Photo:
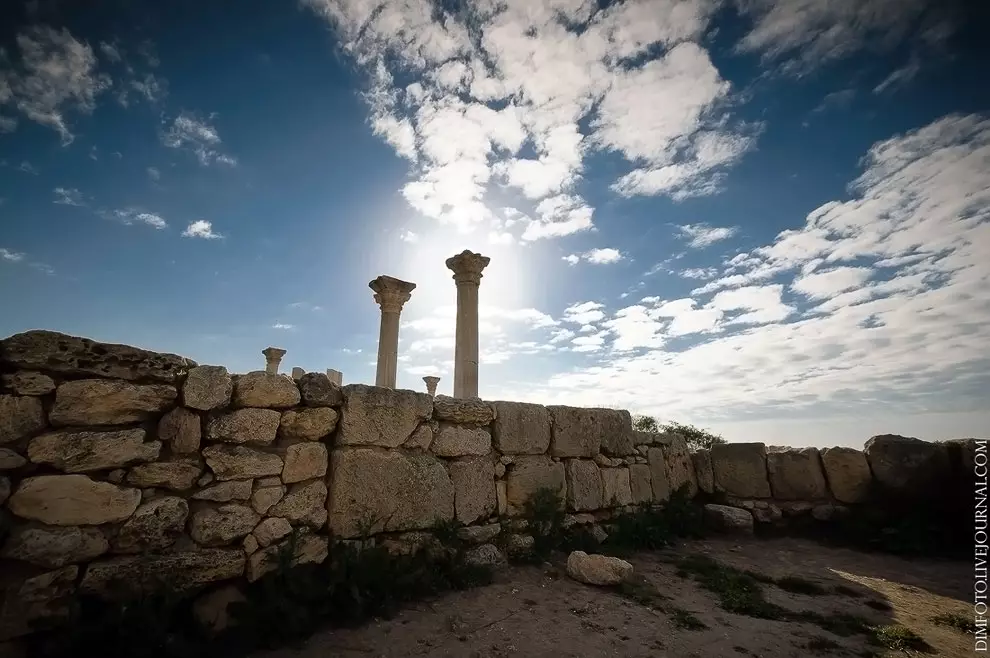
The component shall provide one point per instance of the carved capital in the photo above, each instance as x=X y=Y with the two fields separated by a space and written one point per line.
x=273 y=354
x=467 y=266
x=391 y=293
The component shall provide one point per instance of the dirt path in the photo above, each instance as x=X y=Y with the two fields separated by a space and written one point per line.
x=538 y=611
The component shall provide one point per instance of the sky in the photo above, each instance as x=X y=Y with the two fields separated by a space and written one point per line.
x=769 y=218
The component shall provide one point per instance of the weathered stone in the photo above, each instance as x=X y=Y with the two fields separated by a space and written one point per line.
x=658 y=475
x=224 y=492
x=727 y=519
x=44 y=596
x=600 y=570
x=486 y=555
x=72 y=500
x=528 y=475
x=459 y=441
x=28 y=383
x=20 y=416
x=309 y=549
x=906 y=464
x=740 y=469
x=616 y=491
x=240 y=463
x=463 y=411
x=408 y=543
x=479 y=534
x=307 y=424
x=4 y=489
x=109 y=402
x=575 y=431
x=502 y=496
x=388 y=491
x=81 y=452
x=271 y=530
x=264 y=497
x=219 y=526
x=182 y=571
x=270 y=481
x=474 y=489
x=212 y=609
x=245 y=426
x=318 y=391
x=680 y=468
x=304 y=461
x=207 y=388
x=381 y=416
x=250 y=544
x=519 y=544
x=306 y=502
x=421 y=439
x=177 y=475
x=848 y=474
x=768 y=514
x=10 y=460
x=639 y=483
x=54 y=547
x=155 y=525
x=584 y=485
x=180 y=428
x=702 y=460
x=521 y=428
x=796 y=474
x=265 y=390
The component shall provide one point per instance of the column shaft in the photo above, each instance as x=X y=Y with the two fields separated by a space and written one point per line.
x=466 y=341
x=388 y=350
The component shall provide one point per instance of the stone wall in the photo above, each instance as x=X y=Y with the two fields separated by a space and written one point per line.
x=125 y=465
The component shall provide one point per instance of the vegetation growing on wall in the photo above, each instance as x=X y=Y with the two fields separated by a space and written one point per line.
x=696 y=437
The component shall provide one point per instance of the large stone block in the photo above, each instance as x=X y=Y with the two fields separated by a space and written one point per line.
x=224 y=492
x=375 y=490
x=575 y=431
x=155 y=525
x=906 y=464
x=180 y=571
x=28 y=383
x=527 y=475
x=109 y=402
x=463 y=411
x=730 y=520
x=702 y=460
x=318 y=391
x=600 y=570
x=218 y=526
x=680 y=468
x=375 y=416
x=521 y=428
x=181 y=429
x=460 y=441
x=474 y=488
x=308 y=424
x=639 y=483
x=241 y=463
x=207 y=388
x=618 y=439
x=265 y=390
x=55 y=352
x=796 y=474
x=245 y=426
x=848 y=474
x=72 y=500
x=616 y=491
x=306 y=503
x=20 y=416
x=740 y=469
x=53 y=546
x=82 y=452
x=658 y=474
x=177 y=475
x=304 y=461
x=584 y=485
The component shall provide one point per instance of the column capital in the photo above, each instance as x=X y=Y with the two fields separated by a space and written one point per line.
x=273 y=353
x=467 y=266
x=391 y=293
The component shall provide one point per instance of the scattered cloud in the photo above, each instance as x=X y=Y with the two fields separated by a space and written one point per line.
x=201 y=229
x=129 y=216
x=8 y=124
x=409 y=236
x=191 y=133
x=154 y=174
x=68 y=197
x=605 y=256
x=283 y=326
x=11 y=256
x=703 y=235
x=899 y=77
x=28 y=168
x=699 y=273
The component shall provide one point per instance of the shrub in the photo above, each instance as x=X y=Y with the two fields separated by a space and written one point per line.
x=696 y=437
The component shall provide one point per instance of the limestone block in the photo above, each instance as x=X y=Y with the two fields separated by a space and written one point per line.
x=383 y=417
x=600 y=570
x=702 y=460
x=529 y=474
x=185 y=570
x=177 y=475
x=658 y=474
x=796 y=474
x=680 y=468
x=575 y=432
x=307 y=424
x=82 y=452
x=616 y=491
x=20 y=416
x=264 y=497
x=460 y=441
x=304 y=461
x=241 y=463
x=265 y=390
x=224 y=492
x=271 y=530
x=463 y=411
x=38 y=597
x=155 y=525
x=306 y=502
x=72 y=500
x=584 y=485
x=740 y=469
x=10 y=460
x=421 y=439
x=28 y=383
x=639 y=483
x=207 y=388
x=731 y=520
x=54 y=547
x=212 y=609
x=180 y=428
x=309 y=549
x=479 y=534
x=218 y=526
x=318 y=391
x=521 y=428
x=244 y=426
x=109 y=402
x=474 y=488
x=388 y=491
x=906 y=464
x=486 y=555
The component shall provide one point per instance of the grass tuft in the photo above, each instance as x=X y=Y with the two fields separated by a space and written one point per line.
x=961 y=623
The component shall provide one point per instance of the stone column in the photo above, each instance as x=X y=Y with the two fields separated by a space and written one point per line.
x=336 y=376
x=467 y=267
x=297 y=373
x=273 y=356
x=431 y=385
x=391 y=294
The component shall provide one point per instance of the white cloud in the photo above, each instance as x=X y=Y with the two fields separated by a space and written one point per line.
x=605 y=256
x=283 y=326
x=763 y=304
x=154 y=89
x=828 y=283
x=154 y=174
x=68 y=197
x=189 y=132
x=28 y=168
x=201 y=229
x=129 y=216
x=559 y=216
x=584 y=313
x=111 y=51
x=698 y=273
x=11 y=256
x=703 y=235
x=409 y=236
x=899 y=77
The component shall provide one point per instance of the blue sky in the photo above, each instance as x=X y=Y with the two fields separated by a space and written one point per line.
x=768 y=218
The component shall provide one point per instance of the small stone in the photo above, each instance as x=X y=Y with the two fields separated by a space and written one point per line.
x=109 y=402
x=222 y=525
x=499 y=470
x=54 y=547
x=205 y=480
x=66 y=500
x=224 y=492
x=212 y=609
x=263 y=498
x=180 y=428
x=82 y=452
x=600 y=570
x=317 y=390
x=117 y=476
x=516 y=544
x=479 y=534
x=270 y=530
x=20 y=416
x=154 y=526
x=486 y=555
x=250 y=544
x=9 y=460
x=729 y=519
x=28 y=383
x=306 y=502
x=307 y=424
x=420 y=439
x=244 y=426
x=463 y=411
x=265 y=390
x=305 y=461
x=241 y=463
x=207 y=388
x=177 y=475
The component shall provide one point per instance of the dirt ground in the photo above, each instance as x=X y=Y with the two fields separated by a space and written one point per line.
x=539 y=611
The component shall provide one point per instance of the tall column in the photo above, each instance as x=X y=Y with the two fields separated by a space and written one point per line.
x=336 y=376
x=273 y=356
x=431 y=384
x=467 y=267
x=391 y=294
